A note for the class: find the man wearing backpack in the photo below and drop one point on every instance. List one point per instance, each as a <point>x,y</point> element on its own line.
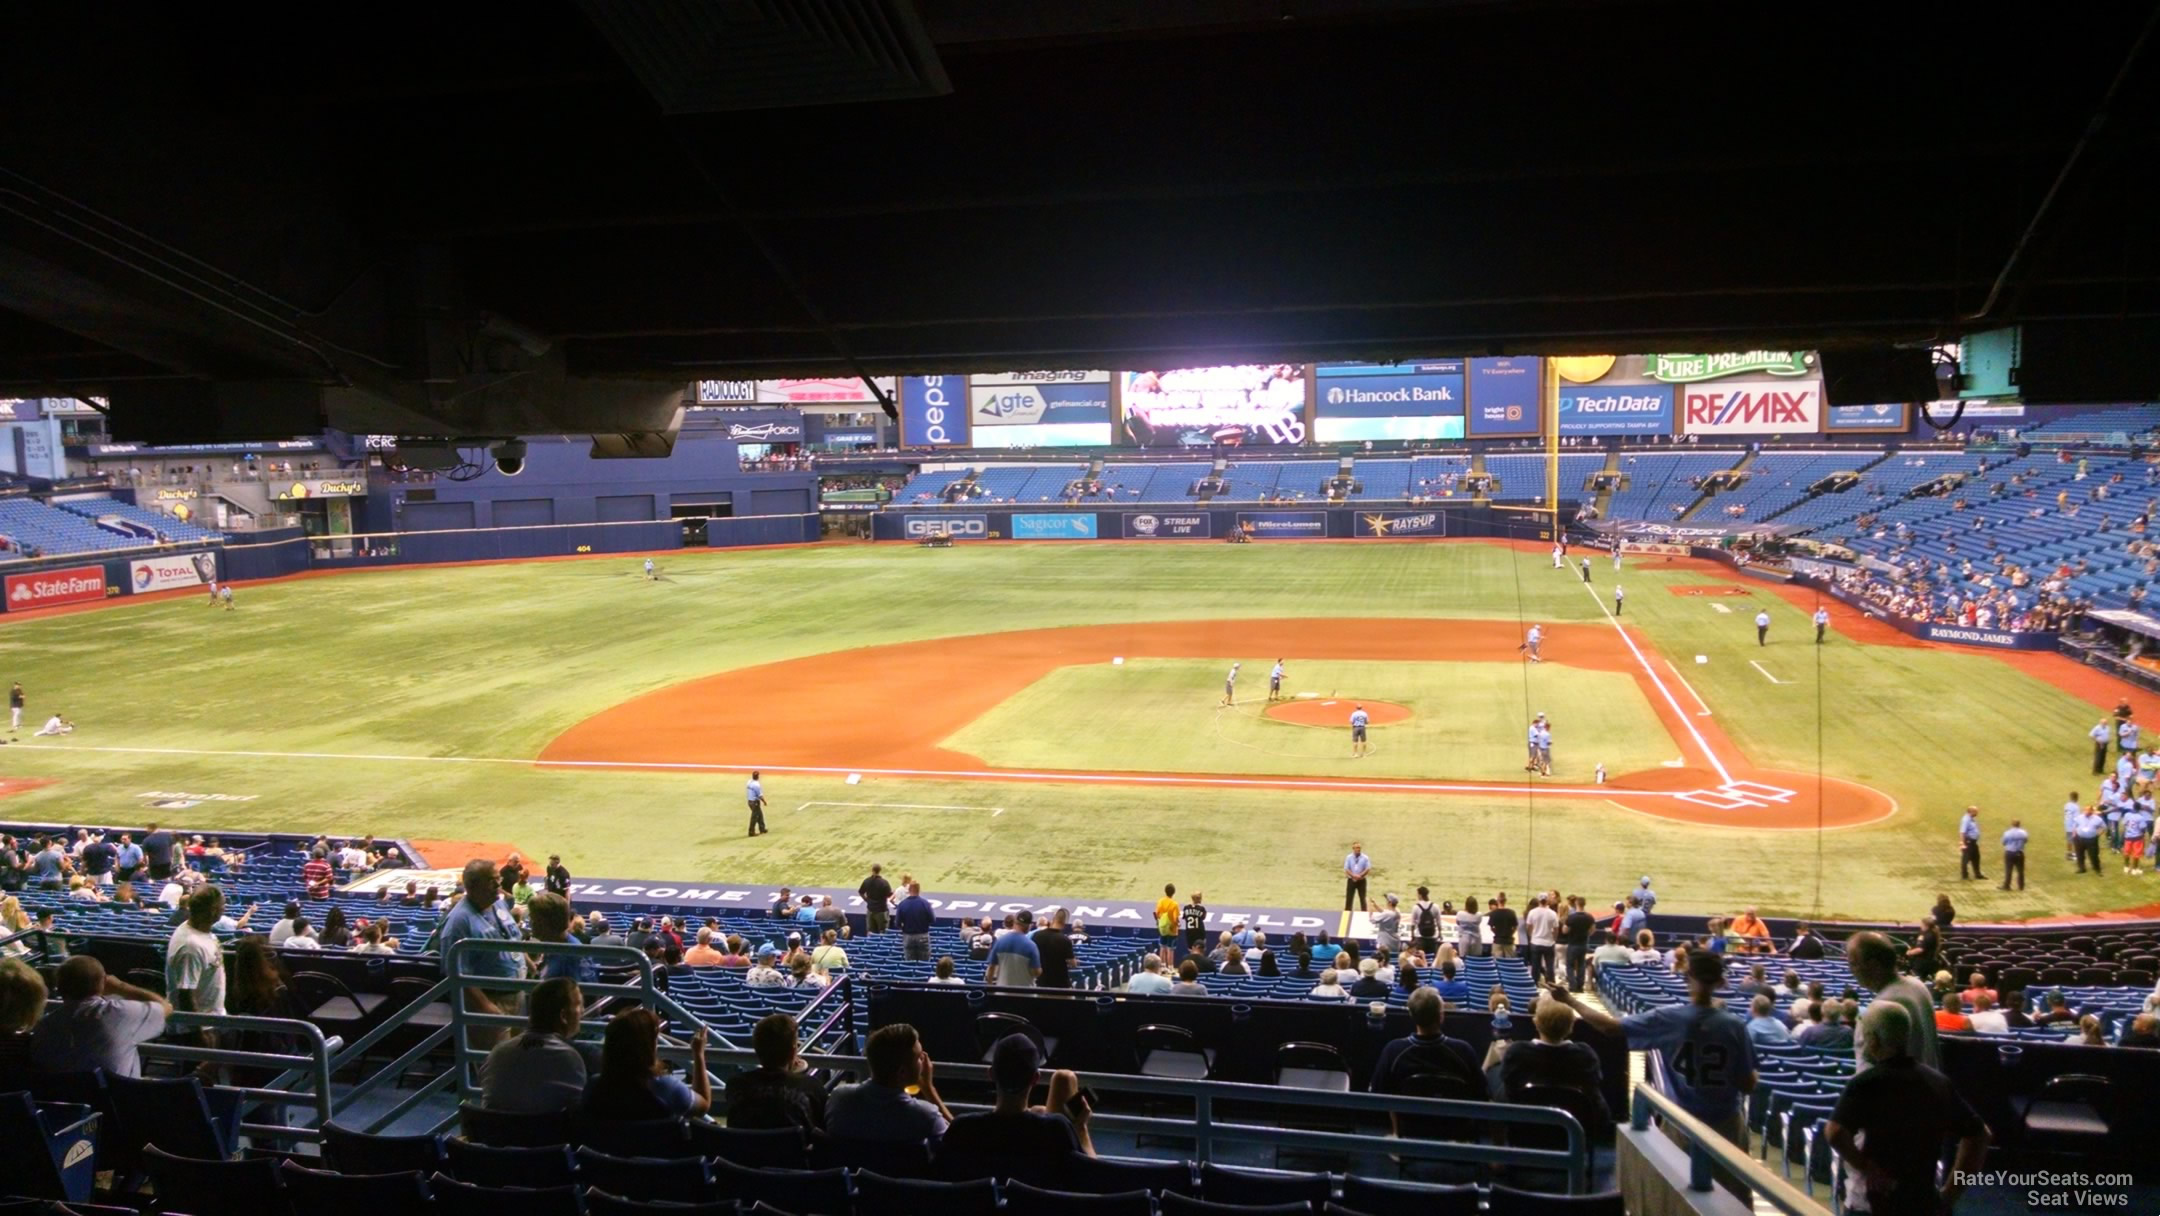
<point>1425,922</point>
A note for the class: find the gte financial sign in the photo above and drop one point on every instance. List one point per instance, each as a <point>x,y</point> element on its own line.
<point>1752,407</point>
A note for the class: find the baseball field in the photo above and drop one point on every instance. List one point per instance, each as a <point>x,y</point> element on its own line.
<point>1048,719</point>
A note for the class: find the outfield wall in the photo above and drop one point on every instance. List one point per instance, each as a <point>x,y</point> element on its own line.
<point>1200,522</point>
<point>83,578</point>
<point>289,551</point>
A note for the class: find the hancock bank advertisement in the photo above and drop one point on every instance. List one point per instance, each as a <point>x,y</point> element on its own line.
<point>1421,399</point>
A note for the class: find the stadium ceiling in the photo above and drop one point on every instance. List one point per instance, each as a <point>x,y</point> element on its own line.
<point>473,218</point>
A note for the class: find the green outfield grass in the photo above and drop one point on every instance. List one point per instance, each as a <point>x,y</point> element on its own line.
<point>1163,715</point>
<point>405,702</point>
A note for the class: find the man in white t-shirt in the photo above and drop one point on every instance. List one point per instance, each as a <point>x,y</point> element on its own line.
<point>195,959</point>
<point>1543,925</point>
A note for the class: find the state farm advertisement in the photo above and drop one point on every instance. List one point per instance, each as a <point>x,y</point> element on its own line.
<point>1752,407</point>
<point>74,585</point>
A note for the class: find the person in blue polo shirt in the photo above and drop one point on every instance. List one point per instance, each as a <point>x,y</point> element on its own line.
<point>2013,842</point>
<point>2085,834</point>
<point>482,916</point>
<point>2101,735</point>
<point>1709,1059</point>
<point>1969,845</point>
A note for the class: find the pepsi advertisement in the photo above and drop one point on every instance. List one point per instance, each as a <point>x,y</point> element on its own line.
<point>1504,397</point>
<point>1616,409</point>
<point>933,412</point>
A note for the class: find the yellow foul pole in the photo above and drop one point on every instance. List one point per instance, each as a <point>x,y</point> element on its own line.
<point>1549,424</point>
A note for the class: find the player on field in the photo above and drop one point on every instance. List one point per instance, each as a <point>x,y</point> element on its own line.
<point>1586,570</point>
<point>1619,599</point>
<point>1762,628</point>
<point>650,572</point>
<point>1229,685</point>
<point>1616,549</point>
<point>1822,622</point>
<point>1274,682</point>
<point>212,584</point>
<point>15,706</point>
<point>1358,720</point>
<point>1559,560</point>
<point>225,594</point>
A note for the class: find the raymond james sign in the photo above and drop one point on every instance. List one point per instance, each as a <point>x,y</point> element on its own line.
<point>1681,369</point>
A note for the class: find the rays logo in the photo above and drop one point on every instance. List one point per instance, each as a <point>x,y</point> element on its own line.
<point>1400,525</point>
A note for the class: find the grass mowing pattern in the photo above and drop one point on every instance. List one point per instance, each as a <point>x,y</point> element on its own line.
<point>493,661</point>
<point>1162,715</point>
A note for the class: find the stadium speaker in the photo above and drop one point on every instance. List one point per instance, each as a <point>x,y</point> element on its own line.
<point>1878,375</point>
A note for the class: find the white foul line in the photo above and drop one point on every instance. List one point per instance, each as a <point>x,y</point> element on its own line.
<point>995,811</point>
<point>1685,720</point>
<point>1766,672</point>
<point>1295,783</point>
<point>1704,711</point>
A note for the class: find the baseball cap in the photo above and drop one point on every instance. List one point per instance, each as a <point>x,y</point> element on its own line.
<point>1013,1063</point>
<point>1368,966</point>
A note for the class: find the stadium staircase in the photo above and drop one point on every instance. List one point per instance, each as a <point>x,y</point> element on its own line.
<point>1709,494</point>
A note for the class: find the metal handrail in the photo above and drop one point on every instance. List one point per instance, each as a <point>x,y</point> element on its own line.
<point>1705,1147</point>
<point>1206,1130</point>
<point>313,1065</point>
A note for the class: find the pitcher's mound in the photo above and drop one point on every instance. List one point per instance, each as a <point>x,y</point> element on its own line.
<point>1335,711</point>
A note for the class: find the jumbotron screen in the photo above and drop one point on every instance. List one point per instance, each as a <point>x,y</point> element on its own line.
<point>1243,405</point>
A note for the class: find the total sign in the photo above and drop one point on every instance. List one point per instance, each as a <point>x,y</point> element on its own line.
<point>1752,407</point>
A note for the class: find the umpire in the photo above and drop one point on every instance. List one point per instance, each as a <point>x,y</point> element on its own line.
<point>754,793</point>
<point>1969,844</point>
<point>2100,736</point>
